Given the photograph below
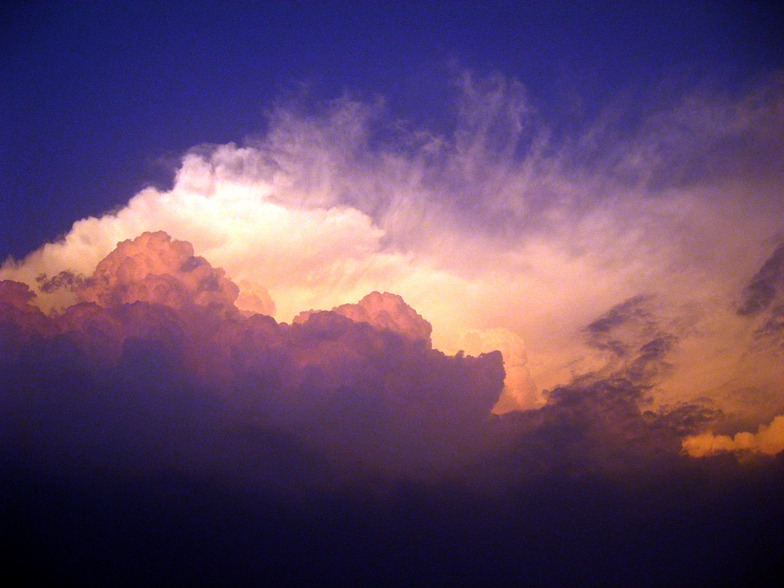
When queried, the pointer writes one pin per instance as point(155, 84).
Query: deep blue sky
point(98, 99)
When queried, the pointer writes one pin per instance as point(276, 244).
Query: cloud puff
point(768, 440)
point(383, 311)
point(153, 268)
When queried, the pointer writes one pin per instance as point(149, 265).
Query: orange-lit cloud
point(154, 338)
point(155, 392)
point(153, 268)
point(360, 386)
point(496, 233)
point(768, 440)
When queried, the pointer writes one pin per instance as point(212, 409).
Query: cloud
point(156, 355)
point(499, 225)
point(154, 338)
point(153, 268)
point(383, 311)
point(768, 440)
point(20, 320)
point(765, 286)
point(223, 441)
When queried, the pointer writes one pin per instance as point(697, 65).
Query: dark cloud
point(604, 332)
point(763, 300)
point(766, 285)
point(361, 385)
point(598, 428)
point(634, 340)
point(64, 279)
point(152, 433)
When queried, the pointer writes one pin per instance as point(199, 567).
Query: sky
point(433, 292)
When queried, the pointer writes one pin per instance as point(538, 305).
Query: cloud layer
point(156, 331)
point(154, 431)
point(176, 394)
point(499, 232)
point(155, 355)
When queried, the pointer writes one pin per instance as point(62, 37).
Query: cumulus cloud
point(383, 311)
point(156, 339)
point(501, 232)
point(768, 440)
point(153, 268)
point(154, 359)
point(151, 404)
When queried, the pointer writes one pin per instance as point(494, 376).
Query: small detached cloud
point(768, 440)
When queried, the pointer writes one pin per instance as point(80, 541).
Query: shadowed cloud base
point(500, 349)
point(154, 433)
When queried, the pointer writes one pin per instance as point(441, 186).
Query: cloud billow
point(155, 356)
point(156, 342)
point(534, 334)
point(196, 439)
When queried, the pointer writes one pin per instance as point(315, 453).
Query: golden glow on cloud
point(768, 440)
point(494, 249)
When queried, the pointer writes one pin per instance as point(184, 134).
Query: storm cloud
point(349, 327)
point(156, 346)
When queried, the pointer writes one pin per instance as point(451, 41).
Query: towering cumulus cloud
point(504, 233)
point(360, 341)
point(360, 387)
point(153, 268)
